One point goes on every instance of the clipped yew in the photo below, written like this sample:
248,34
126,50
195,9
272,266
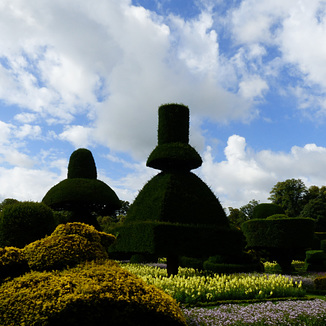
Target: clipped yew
281,239
176,214
82,193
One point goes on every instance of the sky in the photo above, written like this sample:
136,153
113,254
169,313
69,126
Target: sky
92,74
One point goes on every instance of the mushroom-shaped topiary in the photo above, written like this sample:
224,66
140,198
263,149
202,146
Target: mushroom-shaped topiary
82,193
176,214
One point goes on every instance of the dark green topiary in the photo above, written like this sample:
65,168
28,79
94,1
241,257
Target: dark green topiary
282,238
81,193
265,210
25,222
98,294
82,165
176,214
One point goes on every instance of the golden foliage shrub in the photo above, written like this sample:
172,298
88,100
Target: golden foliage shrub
12,262
59,252
89,294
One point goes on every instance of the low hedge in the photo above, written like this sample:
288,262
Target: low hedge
90,294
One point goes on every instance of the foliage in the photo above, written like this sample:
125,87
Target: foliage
280,239
191,286
68,245
81,193
315,260
82,165
237,216
316,209
320,283
24,222
265,210
7,201
90,294
12,262
291,195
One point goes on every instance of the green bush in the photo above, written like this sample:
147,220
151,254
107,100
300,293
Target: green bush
82,165
69,245
265,210
320,283
12,262
91,294
315,260
276,217
24,222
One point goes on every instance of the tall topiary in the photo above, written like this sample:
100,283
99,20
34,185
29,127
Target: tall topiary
176,214
82,193
265,210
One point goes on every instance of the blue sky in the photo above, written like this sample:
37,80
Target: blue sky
93,74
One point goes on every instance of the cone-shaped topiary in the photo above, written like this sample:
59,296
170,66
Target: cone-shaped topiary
176,213
82,193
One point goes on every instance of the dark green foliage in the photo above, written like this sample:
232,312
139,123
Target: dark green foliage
191,262
8,201
265,210
291,195
280,239
98,294
174,156
320,283
279,233
82,165
178,198
276,217
173,124
316,209
82,194
12,262
68,245
315,260
165,239
25,222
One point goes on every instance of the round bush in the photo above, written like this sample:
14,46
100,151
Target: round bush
12,262
59,252
25,222
265,210
91,294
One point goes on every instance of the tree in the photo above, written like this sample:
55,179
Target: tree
176,214
316,209
291,195
239,215
82,193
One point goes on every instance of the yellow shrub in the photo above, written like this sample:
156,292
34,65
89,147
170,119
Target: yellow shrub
12,262
89,294
58,252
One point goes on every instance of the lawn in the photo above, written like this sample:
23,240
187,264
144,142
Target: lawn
240,299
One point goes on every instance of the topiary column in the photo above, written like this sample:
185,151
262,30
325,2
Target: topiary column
82,193
176,213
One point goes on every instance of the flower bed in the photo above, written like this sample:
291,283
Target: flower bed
298,313
193,287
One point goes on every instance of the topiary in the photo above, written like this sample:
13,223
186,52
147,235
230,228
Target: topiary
68,245
25,222
82,193
93,294
12,262
265,210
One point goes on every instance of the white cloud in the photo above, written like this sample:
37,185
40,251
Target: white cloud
79,136
245,175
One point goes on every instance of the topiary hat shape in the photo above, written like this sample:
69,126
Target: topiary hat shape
173,150
82,193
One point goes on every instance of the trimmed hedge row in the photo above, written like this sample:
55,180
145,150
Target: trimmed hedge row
284,233
167,238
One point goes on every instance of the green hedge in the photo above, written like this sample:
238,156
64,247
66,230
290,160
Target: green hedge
265,210
90,294
25,222
178,198
279,233
168,238
82,165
